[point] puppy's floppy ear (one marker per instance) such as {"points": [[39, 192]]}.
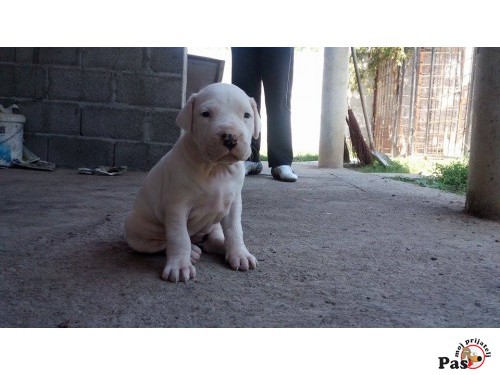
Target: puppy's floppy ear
{"points": [[465, 353], [256, 119], [185, 116]]}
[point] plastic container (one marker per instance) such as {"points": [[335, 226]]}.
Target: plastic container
{"points": [[11, 138]]}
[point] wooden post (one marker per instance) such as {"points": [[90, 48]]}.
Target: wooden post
{"points": [[362, 97]]}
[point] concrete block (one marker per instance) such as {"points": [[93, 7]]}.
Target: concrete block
{"points": [[113, 123], [34, 79], [38, 144], [139, 155], [96, 86], [149, 90], [80, 151], [167, 60], [33, 111], [25, 55], [162, 127], [7, 86], [129, 59], [50, 117], [59, 56], [62, 118], [155, 153], [64, 84], [7, 54], [74, 84], [132, 154], [23, 81]]}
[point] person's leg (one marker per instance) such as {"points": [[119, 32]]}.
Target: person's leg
{"points": [[246, 75], [277, 76]]}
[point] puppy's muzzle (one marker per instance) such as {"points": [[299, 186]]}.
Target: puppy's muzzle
{"points": [[229, 141]]}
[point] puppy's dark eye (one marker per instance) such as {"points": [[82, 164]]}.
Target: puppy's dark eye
{"points": [[205, 114], [247, 115]]}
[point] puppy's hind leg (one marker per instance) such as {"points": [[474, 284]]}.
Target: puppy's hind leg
{"points": [[215, 241], [195, 253]]}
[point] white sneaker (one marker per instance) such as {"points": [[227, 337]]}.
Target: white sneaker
{"points": [[252, 167], [284, 173]]}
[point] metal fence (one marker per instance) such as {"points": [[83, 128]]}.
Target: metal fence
{"points": [[423, 106]]}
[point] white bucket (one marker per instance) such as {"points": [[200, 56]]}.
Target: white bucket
{"points": [[11, 138]]}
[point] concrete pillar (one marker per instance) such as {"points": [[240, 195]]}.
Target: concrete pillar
{"points": [[333, 107], [483, 192]]}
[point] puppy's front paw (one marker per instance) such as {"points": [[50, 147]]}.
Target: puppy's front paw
{"points": [[178, 271], [241, 260]]}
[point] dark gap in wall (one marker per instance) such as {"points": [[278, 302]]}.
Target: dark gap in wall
{"points": [[146, 58], [80, 120], [36, 56], [48, 149]]}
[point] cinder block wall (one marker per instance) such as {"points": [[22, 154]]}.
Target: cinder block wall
{"points": [[86, 107]]}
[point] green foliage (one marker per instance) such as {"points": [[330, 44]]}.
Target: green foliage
{"points": [[396, 166], [369, 58], [297, 158], [452, 176], [306, 157], [448, 176]]}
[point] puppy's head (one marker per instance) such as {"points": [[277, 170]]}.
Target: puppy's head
{"points": [[222, 119]]}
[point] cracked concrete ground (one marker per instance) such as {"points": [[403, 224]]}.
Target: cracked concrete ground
{"points": [[338, 248]]}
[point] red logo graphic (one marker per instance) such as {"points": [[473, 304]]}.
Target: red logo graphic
{"points": [[475, 356]]}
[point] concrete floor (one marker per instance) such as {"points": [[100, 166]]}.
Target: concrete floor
{"points": [[336, 249]]}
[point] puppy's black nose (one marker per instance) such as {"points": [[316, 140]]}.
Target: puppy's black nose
{"points": [[229, 141]]}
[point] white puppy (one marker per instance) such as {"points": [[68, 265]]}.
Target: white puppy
{"points": [[193, 194]]}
